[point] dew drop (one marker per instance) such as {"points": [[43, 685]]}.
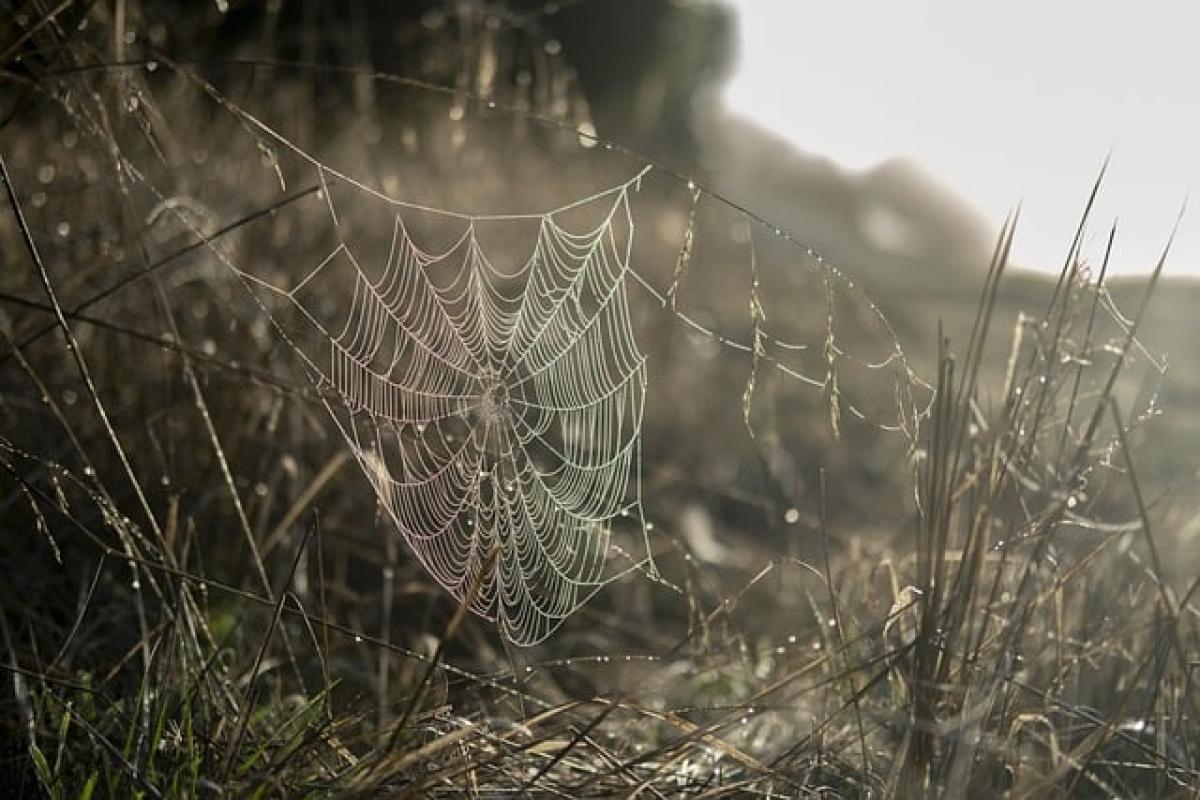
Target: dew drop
{"points": [[791, 516], [587, 134]]}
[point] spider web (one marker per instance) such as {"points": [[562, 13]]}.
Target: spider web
{"points": [[497, 405], [492, 410]]}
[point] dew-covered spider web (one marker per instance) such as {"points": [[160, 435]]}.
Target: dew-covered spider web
{"points": [[499, 377], [496, 412]]}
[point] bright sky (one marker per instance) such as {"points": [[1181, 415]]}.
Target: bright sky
{"points": [[1003, 102]]}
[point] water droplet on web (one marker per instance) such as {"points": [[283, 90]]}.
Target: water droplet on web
{"points": [[587, 134], [791, 516], [357, 639], [553, 47], [63, 229], [1072, 501], [89, 471]]}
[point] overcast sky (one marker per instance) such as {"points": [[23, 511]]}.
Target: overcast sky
{"points": [[1003, 102]]}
